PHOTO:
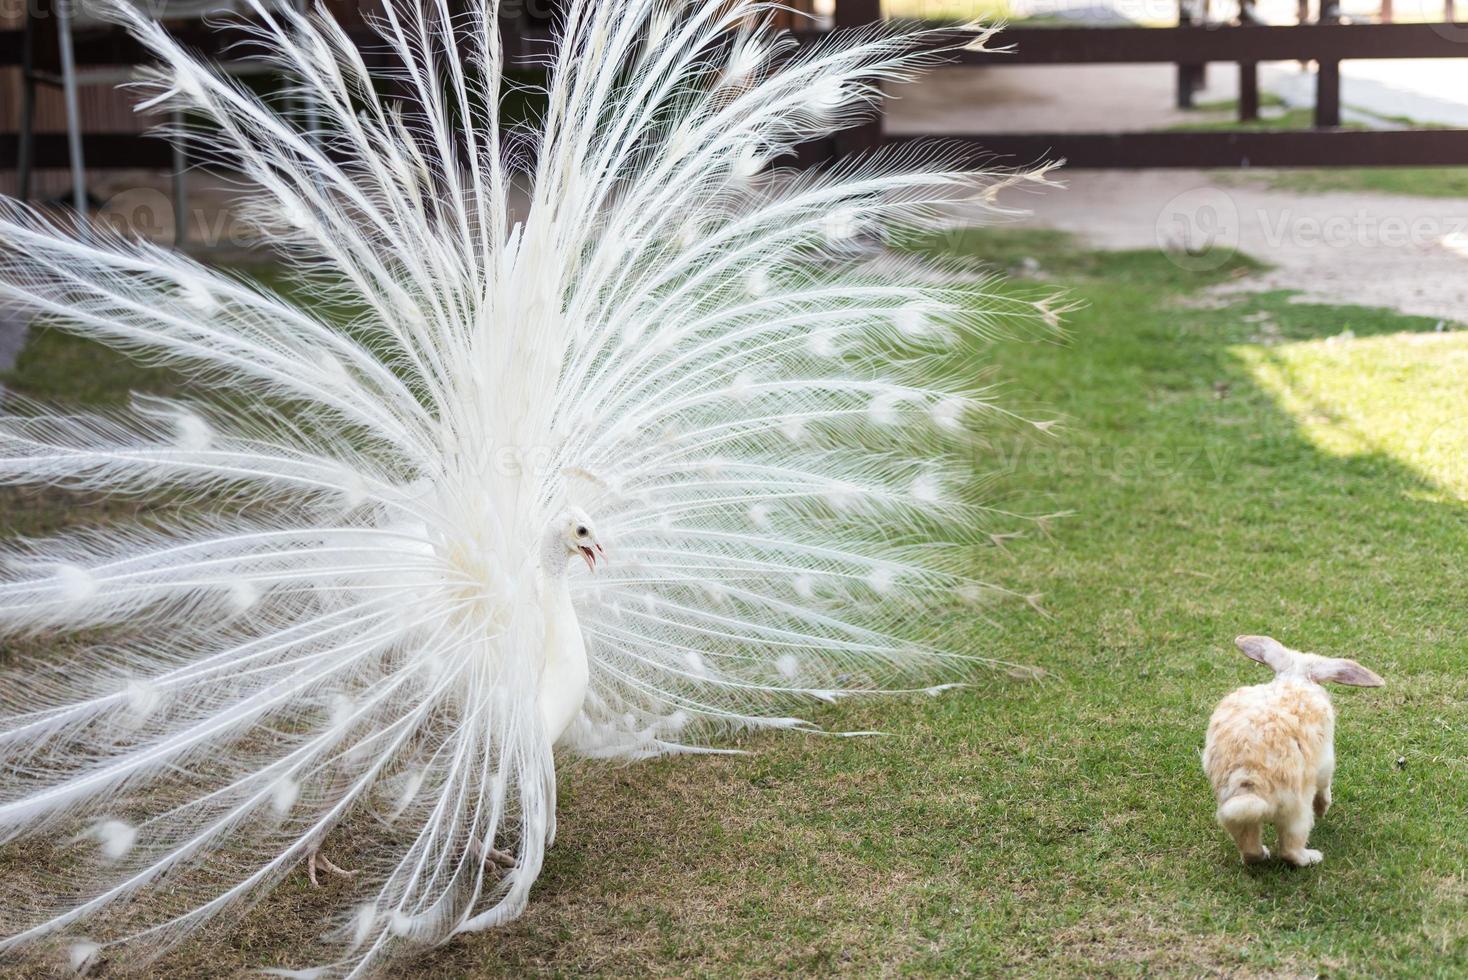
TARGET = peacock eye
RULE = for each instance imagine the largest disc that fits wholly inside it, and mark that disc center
(581, 532)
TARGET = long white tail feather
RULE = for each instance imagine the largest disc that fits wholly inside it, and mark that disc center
(730, 366)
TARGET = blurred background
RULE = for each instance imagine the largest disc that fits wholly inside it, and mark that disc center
(1293, 130)
(1056, 79)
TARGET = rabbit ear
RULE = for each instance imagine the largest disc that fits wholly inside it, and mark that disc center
(1344, 672)
(1267, 650)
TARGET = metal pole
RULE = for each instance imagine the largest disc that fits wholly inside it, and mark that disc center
(27, 107)
(180, 184)
(73, 109)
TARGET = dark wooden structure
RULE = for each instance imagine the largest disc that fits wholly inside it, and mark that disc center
(1326, 42)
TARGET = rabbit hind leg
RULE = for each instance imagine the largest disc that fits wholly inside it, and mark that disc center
(1294, 832)
(1251, 847)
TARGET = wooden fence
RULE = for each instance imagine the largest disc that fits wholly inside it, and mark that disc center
(1327, 43)
(1323, 146)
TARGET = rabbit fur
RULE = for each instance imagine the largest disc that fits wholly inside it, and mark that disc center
(1270, 752)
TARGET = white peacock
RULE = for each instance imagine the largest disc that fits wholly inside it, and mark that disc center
(358, 598)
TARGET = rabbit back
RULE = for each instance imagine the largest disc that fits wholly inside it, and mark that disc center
(1274, 741)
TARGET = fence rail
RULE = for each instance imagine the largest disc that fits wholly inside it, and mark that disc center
(1324, 146)
(1280, 148)
(105, 48)
(1192, 46)
(1171, 45)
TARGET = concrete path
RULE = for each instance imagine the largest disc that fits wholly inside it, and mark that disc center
(1047, 98)
(1117, 98)
(1403, 253)
(1422, 90)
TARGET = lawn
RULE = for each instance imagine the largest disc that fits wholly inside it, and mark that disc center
(1450, 182)
(1222, 116)
(1268, 467)
(948, 10)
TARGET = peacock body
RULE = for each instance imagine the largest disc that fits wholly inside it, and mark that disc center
(365, 603)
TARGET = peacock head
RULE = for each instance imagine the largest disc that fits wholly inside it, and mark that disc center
(580, 537)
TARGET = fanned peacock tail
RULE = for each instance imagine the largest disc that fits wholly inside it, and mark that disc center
(730, 366)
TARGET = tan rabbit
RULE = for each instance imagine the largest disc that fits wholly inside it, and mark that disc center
(1271, 749)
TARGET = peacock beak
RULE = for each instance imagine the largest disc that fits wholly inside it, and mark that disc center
(590, 556)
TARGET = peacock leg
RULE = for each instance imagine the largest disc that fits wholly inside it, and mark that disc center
(491, 856)
(316, 858)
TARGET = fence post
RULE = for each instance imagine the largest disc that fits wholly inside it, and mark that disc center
(1248, 70)
(1187, 74)
(1328, 76)
(867, 136)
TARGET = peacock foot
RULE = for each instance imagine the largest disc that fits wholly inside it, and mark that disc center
(491, 856)
(315, 859)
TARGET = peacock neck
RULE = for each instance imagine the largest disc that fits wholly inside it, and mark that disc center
(565, 672)
(553, 554)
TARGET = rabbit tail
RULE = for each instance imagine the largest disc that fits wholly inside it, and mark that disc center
(1243, 810)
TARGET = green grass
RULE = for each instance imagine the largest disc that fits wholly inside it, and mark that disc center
(1281, 117)
(1396, 396)
(961, 11)
(1411, 181)
(1267, 100)
(948, 10)
(1222, 116)
(1290, 119)
(1230, 471)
